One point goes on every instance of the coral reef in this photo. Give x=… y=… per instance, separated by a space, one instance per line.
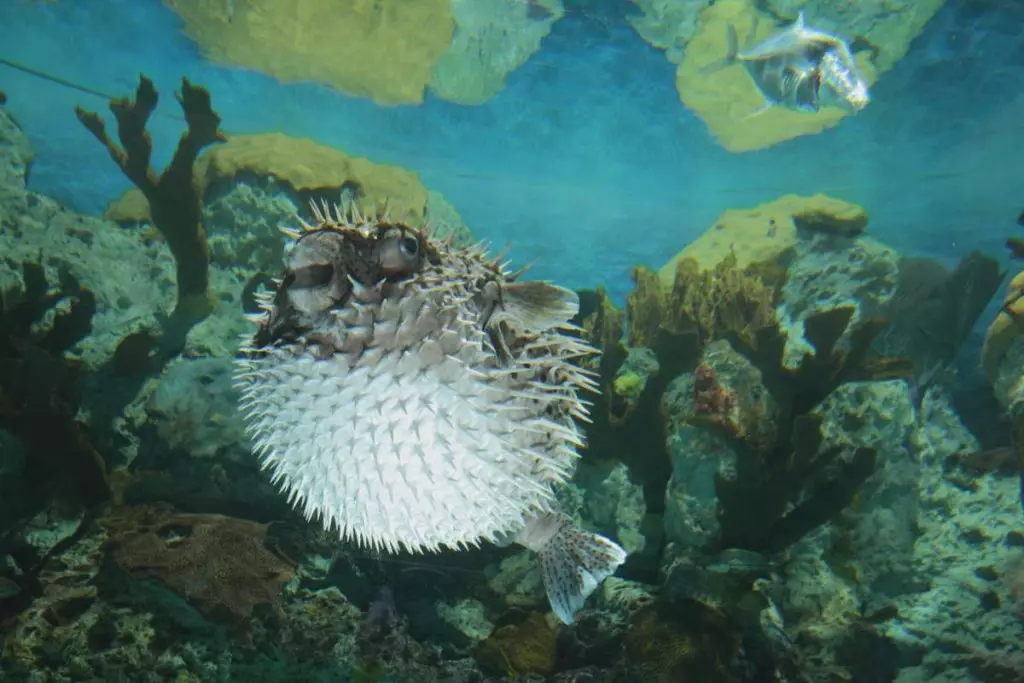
x=793 y=512
x=492 y=39
x=172 y=196
x=385 y=51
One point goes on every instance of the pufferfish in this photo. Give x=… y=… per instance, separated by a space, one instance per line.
x=412 y=394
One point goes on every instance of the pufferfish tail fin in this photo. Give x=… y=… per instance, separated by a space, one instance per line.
x=573 y=561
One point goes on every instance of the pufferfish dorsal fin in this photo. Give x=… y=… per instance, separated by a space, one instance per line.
x=539 y=305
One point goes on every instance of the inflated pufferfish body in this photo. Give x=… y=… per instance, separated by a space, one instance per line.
x=413 y=395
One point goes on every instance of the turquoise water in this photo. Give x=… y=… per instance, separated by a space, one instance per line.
x=903 y=566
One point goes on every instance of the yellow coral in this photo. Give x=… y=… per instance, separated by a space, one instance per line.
x=305 y=166
x=382 y=49
x=725 y=98
x=710 y=303
x=767 y=232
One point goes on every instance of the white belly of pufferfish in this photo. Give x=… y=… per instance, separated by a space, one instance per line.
x=414 y=451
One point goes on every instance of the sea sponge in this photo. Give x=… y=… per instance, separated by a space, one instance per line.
x=304 y=165
x=1004 y=329
x=725 y=98
x=768 y=232
x=381 y=49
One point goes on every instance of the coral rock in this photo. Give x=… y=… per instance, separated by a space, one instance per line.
x=768 y=232
x=382 y=50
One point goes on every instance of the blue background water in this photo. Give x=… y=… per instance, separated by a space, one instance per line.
x=587 y=159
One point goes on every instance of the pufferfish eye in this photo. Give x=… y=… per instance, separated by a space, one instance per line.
x=399 y=252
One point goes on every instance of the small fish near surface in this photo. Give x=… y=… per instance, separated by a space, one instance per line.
x=800 y=68
x=414 y=395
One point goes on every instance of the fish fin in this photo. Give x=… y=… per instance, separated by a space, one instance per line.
x=539 y=305
x=799 y=24
x=574 y=562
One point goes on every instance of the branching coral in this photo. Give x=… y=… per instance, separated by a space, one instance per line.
x=174 y=200
x=779 y=493
x=38 y=401
x=709 y=303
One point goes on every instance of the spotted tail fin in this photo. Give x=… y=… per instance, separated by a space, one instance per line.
x=574 y=563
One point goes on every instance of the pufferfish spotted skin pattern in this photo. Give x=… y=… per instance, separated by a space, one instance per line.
x=413 y=395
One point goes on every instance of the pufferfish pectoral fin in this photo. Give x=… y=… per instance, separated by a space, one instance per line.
x=539 y=306
x=573 y=561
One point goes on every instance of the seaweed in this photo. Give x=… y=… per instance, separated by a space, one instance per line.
x=174 y=196
x=778 y=494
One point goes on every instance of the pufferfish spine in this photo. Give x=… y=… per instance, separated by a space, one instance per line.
x=413 y=395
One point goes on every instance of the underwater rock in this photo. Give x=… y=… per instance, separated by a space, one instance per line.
x=700 y=456
x=245 y=219
x=769 y=232
x=668 y=24
x=469 y=618
x=962 y=530
x=383 y=51
x=880 y=529
x=493 y=38
x=725 y=98
x=828 y=272
x=612 y=504
x=16 y=157
x=194 y=410
x=517 y=579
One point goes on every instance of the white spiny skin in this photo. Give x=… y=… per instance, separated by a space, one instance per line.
x=413 y=434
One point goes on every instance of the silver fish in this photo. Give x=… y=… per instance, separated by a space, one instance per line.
x=791 y=67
